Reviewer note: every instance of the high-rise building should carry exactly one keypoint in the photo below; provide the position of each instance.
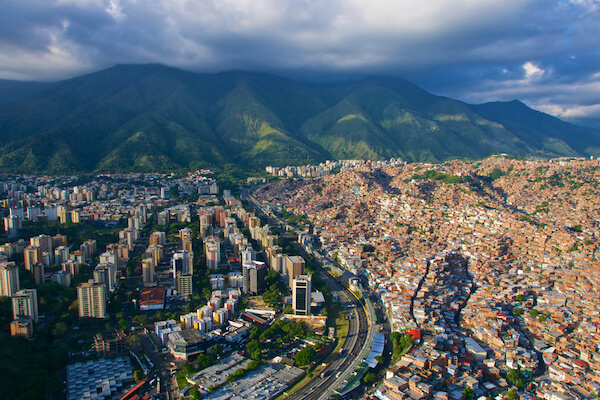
(182, 261)
(185, 235)
(59, 240)
(294, 266)
(106, 274)
(12, 225)
(43, 241)
(22, 327)
(148, 270)
(184, 284)
(25, 304)
(278, 263)
(158, 238)
(156, 252)
(32, 255)
(91, 297)
(88, 248)
(63, 278)
(301, 294)
(254, 274)
(270, 253)
(247, 255)
(71, 266)
(61, 254)
(38, 272)
(213, 257)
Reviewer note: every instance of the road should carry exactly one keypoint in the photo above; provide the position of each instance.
(160, 369)
(360, 333)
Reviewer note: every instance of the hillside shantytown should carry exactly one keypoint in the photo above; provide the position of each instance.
(492, 265)
(166, 286)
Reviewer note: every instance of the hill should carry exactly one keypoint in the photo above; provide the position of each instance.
(157, 118)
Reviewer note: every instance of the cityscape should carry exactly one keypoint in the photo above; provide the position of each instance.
(384, 279)
(299, 200)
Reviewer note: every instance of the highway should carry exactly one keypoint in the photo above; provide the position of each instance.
(357, 342)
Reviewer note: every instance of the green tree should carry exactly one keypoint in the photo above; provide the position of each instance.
(369, 378)
(469, 393)
(517, 312)
(216, 350)
(203, 361)
(195, 393)
(60, 329)
(138, 375)
(512, 395)
(534, 313)
(123, 325)
(305, 356)
(254, 333)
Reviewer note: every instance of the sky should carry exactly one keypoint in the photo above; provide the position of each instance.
(545, 53)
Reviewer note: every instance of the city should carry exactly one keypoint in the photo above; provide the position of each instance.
(455, 281)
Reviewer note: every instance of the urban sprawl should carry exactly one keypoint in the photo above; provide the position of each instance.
(485, 270)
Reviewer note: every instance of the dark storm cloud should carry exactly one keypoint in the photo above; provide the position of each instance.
(545, 52)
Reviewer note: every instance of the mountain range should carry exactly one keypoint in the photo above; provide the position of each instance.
(152, 118)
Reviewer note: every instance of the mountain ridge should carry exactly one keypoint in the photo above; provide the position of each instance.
(157, 118)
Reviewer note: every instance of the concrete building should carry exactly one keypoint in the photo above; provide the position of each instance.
(88, 248)
(63, 278)
(32, 255)
(61, 254)
(38, 272)
(186, 344)
(212, 248)
(184, 284)
(22, 327)
(182, 262)
(301, 294)
(9, 279)
(156, 251)
(294, 266)
(185, 235)
(43, 241)
(106, 274)
(25, 304)
(91, 297)
(254, 274)
(158, 238)
(148, 270)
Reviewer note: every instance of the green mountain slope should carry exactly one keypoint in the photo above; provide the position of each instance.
(157, 118)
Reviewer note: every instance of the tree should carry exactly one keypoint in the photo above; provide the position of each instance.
(216, 350)
(60, 329)
(203, 361)
(254, 333)
(138, 375)
(469, 393)
(195, 393)
(123, 324)
(305, 357)
(512, 395)
(369, 378)
(515, 376)
(517, 312)
(534, 313)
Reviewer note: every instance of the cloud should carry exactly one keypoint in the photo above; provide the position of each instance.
(471, 49)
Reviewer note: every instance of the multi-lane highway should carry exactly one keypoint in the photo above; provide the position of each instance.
(357, 342)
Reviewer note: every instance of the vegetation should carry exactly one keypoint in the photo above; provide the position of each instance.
(515, 376)
(440, 176)
(401, 343)
(305, 356)
(199, 121)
